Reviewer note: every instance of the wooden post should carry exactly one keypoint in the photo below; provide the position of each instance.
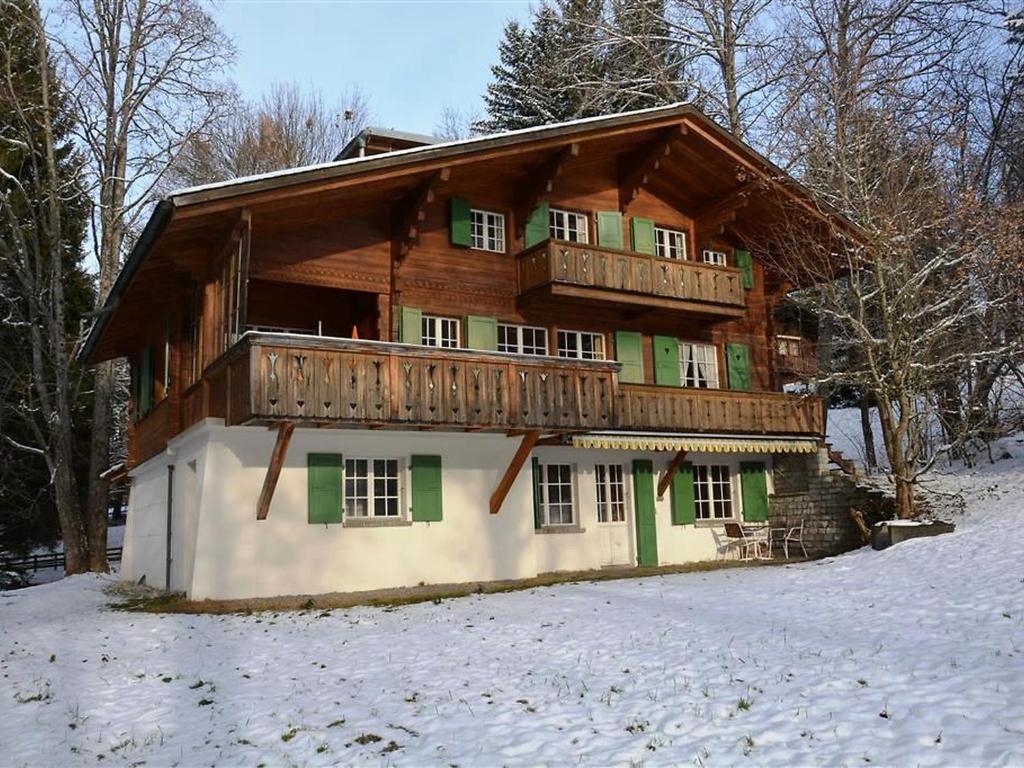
(512, 472)
(670, 472)
(284, 436)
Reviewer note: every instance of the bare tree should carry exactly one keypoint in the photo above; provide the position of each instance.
(456, 124)
(146, 77)
(287, 128)
(41, 208)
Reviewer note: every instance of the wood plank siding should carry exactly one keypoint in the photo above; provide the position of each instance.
(555, 268)
(284, 298)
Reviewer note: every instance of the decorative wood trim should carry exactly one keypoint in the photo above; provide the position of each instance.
(636, 172)
(670, 472)
(412, 212)
(284, 436)
(512, 472)
(541, 184)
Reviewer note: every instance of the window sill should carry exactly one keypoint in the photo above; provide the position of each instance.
(716, 523)
(375, 522)
(560, 529)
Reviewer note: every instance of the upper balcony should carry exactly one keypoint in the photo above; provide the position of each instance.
(558, 269)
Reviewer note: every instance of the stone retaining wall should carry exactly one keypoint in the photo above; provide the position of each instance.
(808, 490)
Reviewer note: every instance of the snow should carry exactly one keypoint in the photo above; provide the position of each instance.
(909, 656)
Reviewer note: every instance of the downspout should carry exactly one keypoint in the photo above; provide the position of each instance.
(170, 508)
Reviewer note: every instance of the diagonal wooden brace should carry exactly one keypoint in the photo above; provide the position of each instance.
(515, 466)
(284, 436)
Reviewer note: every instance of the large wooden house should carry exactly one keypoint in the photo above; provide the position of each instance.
(549, 349)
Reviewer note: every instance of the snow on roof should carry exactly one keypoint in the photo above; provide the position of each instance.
(413, 151)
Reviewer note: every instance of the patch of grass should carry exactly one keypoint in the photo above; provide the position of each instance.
(744, 704)
(289, 735)
(205, 702)
(151, 601)
(367, 738)
(336, 723)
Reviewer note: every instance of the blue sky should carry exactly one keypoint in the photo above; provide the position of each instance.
(411, 59)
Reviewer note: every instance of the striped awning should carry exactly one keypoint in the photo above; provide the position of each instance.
(695, 444)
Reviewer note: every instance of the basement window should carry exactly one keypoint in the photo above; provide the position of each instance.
(556, 496)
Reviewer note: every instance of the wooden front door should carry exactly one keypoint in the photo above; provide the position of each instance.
(643, 503)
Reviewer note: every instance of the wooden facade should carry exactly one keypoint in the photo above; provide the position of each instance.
(282, 299)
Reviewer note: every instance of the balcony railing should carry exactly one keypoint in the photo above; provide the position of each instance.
(371, 383)
(309, 379)
(555, 268)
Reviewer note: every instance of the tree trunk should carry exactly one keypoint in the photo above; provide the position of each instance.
(904, 498)
(99, 458)
(870, 457)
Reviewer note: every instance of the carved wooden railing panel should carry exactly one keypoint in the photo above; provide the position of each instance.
(555, 261)
(375, 383)
(643, 407)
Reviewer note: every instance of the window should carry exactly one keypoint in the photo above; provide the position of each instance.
(788, 346)
(714, 257)
(371, 488)
(712, 492)
(670, 243)
(611, 493)
(487, 230)
(440, 331)
(566, 225)
(167, 358)
(194, 334)
(581, 345)
(698, 365)
(556, 494)
(522, 339)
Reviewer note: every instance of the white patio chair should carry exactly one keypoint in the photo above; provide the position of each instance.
(752, 541)
(794, 535)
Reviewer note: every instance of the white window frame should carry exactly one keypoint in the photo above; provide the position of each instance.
(718, 258)
(486, 230)
(518, 345)
(545, 486)
(371, 494)
(704, 358)
(708, 493)
(569, 226)
(784, 345)
(670, 243)
(610, 490)
(578, 353)
(433, 330)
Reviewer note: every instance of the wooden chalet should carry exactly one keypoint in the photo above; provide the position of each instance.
(359, 358)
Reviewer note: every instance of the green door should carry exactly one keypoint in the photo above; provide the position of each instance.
(643, 502)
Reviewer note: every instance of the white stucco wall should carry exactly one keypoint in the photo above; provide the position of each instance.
(220, 550)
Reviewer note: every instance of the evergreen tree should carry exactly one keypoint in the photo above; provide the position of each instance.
(641, 58)
(28, 506)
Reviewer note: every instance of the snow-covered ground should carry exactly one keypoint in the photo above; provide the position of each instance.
(911, 656)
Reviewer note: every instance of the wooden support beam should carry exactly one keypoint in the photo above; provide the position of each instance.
(541, 184)
(284, 436)
(723, 209)
(412, 212)
(637, 171)
(512, 472)
(670, 472)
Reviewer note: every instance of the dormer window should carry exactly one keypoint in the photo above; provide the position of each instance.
(568, 225)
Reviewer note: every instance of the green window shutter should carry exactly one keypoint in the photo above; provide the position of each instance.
(609, 229)
(666, 361)
(146, 372)
(629, 350)
(537, 228)
(481, 332)
(459, 225)
(426, 489)
(324, 471)
(737, 357)
(684, 511)
(643, 236)
(538, 513)
(410, 326)
(643, 501)
(746, 262)
(754, 482)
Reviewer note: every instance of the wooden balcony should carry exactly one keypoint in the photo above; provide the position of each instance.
(557, 269)
(675, 409)
(371, 383)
